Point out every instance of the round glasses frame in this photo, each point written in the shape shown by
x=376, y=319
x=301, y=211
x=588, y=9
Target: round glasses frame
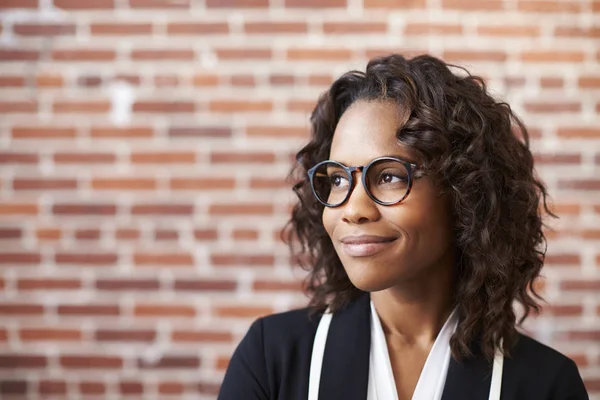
x=411, y=168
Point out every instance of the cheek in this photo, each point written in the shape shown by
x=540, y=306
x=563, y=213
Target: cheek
x=328, y=219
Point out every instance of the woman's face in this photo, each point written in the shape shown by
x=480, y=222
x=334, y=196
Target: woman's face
x=385, y=246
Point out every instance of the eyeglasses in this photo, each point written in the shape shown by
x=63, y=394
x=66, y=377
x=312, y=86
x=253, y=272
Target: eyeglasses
x=387, y=180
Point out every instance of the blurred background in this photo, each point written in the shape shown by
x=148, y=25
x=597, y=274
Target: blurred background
x=144, y=146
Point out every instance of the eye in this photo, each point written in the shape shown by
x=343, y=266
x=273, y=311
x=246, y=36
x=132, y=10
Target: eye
x=390, y=178
x=338, y=180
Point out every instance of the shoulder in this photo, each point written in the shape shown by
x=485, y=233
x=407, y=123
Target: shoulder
x=285, y=328
x=534, y=366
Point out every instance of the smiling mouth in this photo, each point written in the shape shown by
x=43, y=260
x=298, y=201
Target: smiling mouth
x=366, y=246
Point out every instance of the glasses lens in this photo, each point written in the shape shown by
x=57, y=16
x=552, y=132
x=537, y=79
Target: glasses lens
x=331, y=183
x=388, y=180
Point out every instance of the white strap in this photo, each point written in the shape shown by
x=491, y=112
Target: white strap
x=316, y=361
x=496, y=384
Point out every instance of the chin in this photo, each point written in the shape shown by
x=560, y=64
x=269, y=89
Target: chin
x=367, y=279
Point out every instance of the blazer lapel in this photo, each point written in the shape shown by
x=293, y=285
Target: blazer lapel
x=345, y=370
x=469, y=380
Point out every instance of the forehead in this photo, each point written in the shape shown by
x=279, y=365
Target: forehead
x=367, y=130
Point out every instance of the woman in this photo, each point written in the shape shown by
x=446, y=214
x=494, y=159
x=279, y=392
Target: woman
x=419, y=222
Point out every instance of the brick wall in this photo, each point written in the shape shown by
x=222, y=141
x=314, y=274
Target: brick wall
x=144, y=146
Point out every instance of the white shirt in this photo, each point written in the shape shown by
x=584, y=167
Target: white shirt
x=430, y=386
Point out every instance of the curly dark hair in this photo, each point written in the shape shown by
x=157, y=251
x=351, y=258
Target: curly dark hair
x=477, y=150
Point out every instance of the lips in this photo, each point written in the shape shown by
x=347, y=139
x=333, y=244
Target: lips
x=366, y=245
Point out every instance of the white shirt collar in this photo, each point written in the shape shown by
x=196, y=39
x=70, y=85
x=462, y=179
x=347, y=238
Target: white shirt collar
x=431, y=382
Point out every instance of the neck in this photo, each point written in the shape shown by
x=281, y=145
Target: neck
x=414, y=312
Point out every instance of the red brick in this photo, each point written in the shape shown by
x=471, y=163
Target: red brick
x=269, y=183
x=201, y=336
x=163, y=54
x=84, y=54
x=43, y=133
x=44, y=29
x=584, y=335
x=46, y=80
x=166, y=234
x=303, y=106
x=92, y=259
x=508, y=30
x=12, y=81
x=90, y=361
x=21, y=309
x=581, y=133
x=4, y=4
x=162, y=209
x=44, y=184
x=242, y=311
x=92, y=388
x=210, y=389
x=84, y=5
x=244, y=158
x=551, y=82
x=354, y=27
x=204, y=79
x=164, y=259
x=48, y=234
x=164, y=310
x=167, y=4
x=581, y=285
x=25, y=106
x=542, y=6
x=127, y=234
x=202, y=183
x=432, y=29
x=48, y=284
x=237, y=106
x=109, y=335
x=200, y=132
x=49, y=388
x=469, y=5
x=187, y=157
x=49, y=334
x=197, y=28
x=85, y=310
x=84, y=158
x=237, y=3
x=277, y=80
x=277, y=131
x=579, y=184
x=563, y=159
x=241, y=209
x=166, y=81
x=127, y=285
x=268, y=27
x=124, y=184
x=535, y=56
x=244, y=260
x=88, y=234
x=244, y=234
x=577, y=31
x=243, y=80
x=287, y=286
x=172, y=388
x=19, y=54
x=315, y=3
x=164, y=107
x=589, y=82
x=552, y=108
x=131, y=388
x=205, y=234
x=84, y=209
x=563, y=310
x=483, y=55
x=243, y=53
x=20, y=258
x=18, y=361
x=318, y=54
x=171, y=362
x=222, y=363
x=120, y=29
x=204, y=285
x=320, y=80
x=10, y=233
x=18, y=209
x=81, y=106
x=129, y=132
x=89, y=81
x=13, y=387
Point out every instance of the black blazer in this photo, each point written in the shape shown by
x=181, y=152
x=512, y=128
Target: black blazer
x=273, y=362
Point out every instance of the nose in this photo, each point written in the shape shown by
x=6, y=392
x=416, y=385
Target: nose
x=359, y=208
